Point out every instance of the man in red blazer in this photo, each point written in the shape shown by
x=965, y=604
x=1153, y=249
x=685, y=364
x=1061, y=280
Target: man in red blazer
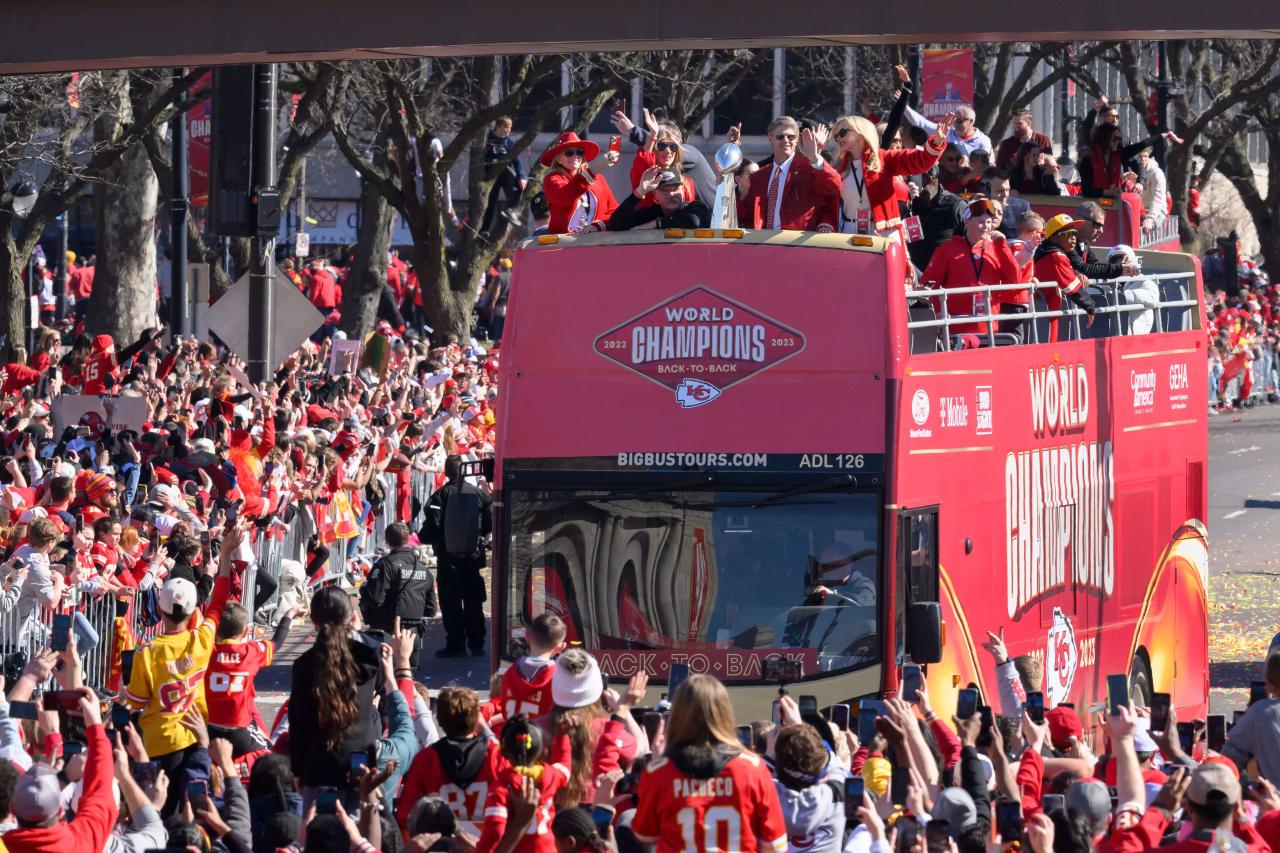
x=797, y=190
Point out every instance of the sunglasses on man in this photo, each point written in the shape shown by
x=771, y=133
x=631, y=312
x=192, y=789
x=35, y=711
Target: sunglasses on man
x=785, y=137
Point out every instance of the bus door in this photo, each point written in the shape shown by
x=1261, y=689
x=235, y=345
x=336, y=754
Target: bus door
x=919, y=613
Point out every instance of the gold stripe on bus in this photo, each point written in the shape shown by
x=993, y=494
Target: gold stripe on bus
x=1190, y=536
x=1159, y=425
x=968, y=645
x=934, y=450
x=1157, y=352
x=974, y=372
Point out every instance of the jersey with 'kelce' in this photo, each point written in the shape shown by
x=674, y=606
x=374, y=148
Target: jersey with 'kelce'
x=228, y=685
x=720, y=798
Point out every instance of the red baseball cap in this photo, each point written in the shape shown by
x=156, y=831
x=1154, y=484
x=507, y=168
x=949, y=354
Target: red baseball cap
x=1064, y=724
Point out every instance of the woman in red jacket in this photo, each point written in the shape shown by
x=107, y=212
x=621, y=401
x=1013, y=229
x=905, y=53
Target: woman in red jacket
x=1102, y=171
x=868, y=202
x=577, y=197
x=661, y=149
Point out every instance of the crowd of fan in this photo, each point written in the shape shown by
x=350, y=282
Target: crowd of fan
x=158, y=522
x=1244, y=330
x=556, y=760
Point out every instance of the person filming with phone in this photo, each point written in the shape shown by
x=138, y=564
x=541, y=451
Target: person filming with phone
x=37, y=797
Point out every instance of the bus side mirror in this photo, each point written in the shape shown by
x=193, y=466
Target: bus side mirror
x=924, y=632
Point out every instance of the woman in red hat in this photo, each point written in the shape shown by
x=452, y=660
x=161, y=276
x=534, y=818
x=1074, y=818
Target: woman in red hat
x=577, y=197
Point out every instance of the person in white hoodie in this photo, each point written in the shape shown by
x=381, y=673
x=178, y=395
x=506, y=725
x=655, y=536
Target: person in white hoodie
x=1155, y=194
x=1143, y=291
x=810, y=785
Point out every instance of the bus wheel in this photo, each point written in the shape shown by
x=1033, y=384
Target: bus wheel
x=1139, y=682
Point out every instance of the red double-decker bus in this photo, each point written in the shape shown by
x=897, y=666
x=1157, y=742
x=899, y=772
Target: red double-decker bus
x=699, y=430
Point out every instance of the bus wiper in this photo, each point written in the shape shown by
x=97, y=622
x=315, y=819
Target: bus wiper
x=820, y=486
x=697, y=478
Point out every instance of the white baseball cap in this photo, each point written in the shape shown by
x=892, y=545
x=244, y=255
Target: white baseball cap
x=178, y=597
x=167, y=493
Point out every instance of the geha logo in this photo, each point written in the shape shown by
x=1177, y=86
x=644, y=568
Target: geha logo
x=698, y=344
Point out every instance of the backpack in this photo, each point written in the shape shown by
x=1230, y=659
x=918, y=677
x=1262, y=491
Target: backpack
x=462, y=523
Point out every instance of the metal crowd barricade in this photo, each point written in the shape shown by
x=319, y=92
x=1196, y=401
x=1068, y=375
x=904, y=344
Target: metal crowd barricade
x=992, y=321
x=23, y=638
x=271, y=550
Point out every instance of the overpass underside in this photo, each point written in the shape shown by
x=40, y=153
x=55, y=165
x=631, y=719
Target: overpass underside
x=80, y=35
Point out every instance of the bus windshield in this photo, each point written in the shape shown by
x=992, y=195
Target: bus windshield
x=729, y=579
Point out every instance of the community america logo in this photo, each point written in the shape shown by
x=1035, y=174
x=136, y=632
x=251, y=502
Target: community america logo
x=698, y=344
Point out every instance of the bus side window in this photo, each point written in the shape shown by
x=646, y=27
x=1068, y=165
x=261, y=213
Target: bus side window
x=917, y=570
x=922, y=563
x=917, y=583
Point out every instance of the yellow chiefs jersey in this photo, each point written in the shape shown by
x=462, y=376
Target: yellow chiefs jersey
x=168, y=678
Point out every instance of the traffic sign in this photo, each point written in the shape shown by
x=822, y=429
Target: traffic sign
x=296, y=319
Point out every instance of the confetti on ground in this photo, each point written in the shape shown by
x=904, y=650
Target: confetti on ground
x=1242, y=615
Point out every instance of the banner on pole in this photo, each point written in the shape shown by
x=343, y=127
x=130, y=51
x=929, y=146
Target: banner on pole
x=947, y=81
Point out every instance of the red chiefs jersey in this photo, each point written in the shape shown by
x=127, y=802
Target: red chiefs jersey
x=228, y=682
x=100, y=373
x=426, y=778
x=737, y=809
x=530, y=696
x=104, y=558
x=537, y=838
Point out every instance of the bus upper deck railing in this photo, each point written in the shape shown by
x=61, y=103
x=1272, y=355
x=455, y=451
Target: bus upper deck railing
x=1111, y=292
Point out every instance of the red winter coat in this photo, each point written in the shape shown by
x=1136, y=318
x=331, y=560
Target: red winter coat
x=95, y=816
x=880, y=187
x=810, y=197
x=957, y=264
x=563, y=190
x=80, y=282
x=321, y=289
x=1052, y=264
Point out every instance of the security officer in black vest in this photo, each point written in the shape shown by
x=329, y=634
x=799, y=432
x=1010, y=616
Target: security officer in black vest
x=457, y=522
x=400, y=585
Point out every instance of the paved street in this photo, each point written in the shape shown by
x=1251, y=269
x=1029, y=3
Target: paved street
x=273, y=682
x=1244, y=560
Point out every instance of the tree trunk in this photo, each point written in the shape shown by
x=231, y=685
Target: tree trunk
x=124, y=206
x=1236, y=168
x=368, y=275
x=13, y=302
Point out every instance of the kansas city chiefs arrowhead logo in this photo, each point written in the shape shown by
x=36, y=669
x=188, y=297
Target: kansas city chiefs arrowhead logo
x=1062, y=657
x=695, y=392
x=698, y=344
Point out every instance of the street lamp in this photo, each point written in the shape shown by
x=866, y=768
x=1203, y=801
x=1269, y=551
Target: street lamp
x=21, y=198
